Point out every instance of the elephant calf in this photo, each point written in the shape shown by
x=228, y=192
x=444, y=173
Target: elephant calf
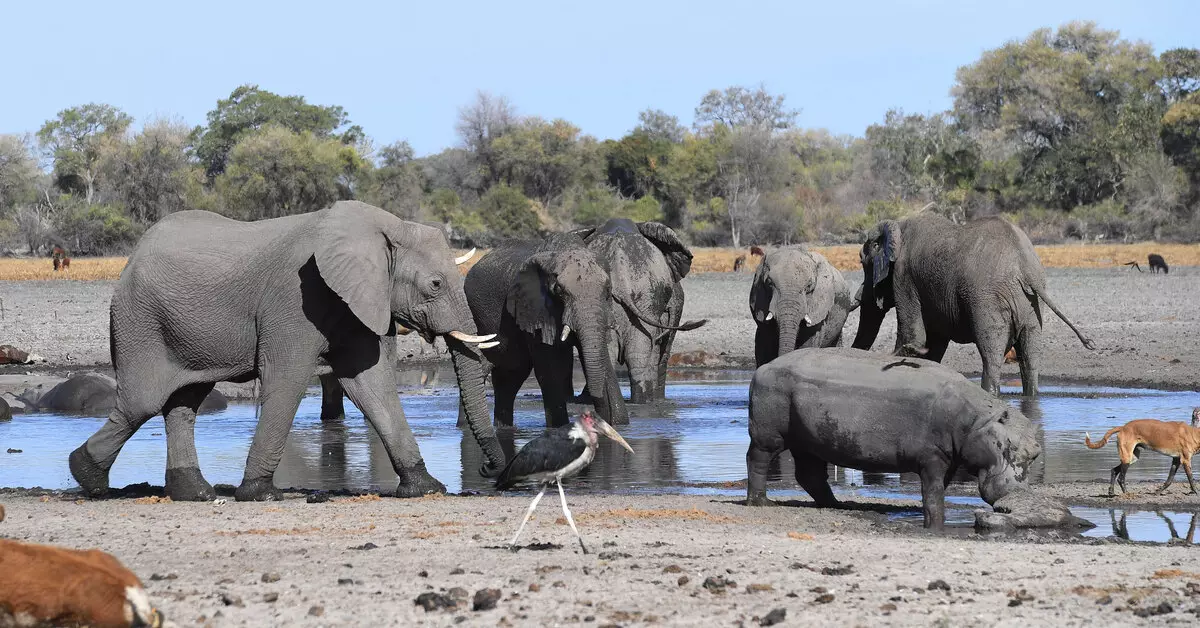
x=799, y=300
x=883, y=414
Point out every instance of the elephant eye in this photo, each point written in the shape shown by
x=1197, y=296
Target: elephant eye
x=435, y=285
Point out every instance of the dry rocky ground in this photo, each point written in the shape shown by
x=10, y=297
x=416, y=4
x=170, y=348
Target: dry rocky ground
x=660, y=560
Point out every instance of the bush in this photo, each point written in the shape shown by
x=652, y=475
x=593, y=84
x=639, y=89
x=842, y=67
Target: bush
x=1041, y=225
x=97, y=230
x=507, y=213
x=877, y=210
x=1104, y=220
x=645, y=209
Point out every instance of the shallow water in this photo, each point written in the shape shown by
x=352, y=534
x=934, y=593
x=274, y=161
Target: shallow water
x=695, y=442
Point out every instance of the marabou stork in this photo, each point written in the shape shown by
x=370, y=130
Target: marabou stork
x=558, y=453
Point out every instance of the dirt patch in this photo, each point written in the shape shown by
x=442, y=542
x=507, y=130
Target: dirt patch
x=694, y=514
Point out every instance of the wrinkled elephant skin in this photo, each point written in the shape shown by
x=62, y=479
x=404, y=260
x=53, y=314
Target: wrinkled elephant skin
x=979, y=283
x=95, y=394
x=645, y=261
x=883, y=414
x=543, y=299
x=799, y=301
x=206, y=299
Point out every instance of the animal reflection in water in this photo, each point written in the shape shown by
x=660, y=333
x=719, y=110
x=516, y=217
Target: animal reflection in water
x=1120, y=525
x=558, y=453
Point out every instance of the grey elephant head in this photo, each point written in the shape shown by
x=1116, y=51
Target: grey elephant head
x=562, y=293
x=1002, y=454
x=792, y=288
x=394, y=274
x=878, y=257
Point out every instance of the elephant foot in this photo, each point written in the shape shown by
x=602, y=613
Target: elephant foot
x=92, y=477
x=188, y=485
x=257, y=490
x=415, y=481
x=760, y=500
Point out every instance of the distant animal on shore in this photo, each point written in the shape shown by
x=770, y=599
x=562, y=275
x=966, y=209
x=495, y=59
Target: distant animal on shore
x=66, y=263
x=739, y=263
x=56, y=264
x=1171, y=438
x=48, y=585
x=1157, y=262
x=1011, y=356
x=754, y=250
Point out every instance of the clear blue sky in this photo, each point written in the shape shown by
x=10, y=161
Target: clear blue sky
x=402, y=69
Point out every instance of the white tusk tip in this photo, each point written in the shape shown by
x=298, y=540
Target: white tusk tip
x=489, y=344
x=770, y=315
x=463, y=259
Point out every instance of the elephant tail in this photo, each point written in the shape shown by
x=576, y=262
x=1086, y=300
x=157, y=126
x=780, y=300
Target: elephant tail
x=1041, y=294
x=1087, y=439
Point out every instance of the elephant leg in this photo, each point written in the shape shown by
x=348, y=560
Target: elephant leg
x=332, y=409
x=937, y=348
x=505, y=384
x=643, y=367
x=1029, y=353
x=812, y=474
x=91, y=461
x=374, y=392
x=282, y=389
x=992, y=354
x=766, y=342
x=184, y=480
x=548, y=364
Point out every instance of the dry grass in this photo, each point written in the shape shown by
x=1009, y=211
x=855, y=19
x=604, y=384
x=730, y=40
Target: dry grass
x=706, y=260
x=42, y=268
x=845, y=257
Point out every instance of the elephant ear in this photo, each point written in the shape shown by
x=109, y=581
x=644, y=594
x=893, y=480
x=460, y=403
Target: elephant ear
x=679, y=258
x=760, y=293
x=887, y=234
x=821, y=292
x=353, y=257
x=531, y=300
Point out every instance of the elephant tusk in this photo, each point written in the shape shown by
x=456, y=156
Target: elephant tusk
x=489, y=344
x=462, y=260
x=770, y=315
x=458, y=335
x=566, y=332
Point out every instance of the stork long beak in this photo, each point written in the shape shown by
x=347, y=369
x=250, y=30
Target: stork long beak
x=608, y=431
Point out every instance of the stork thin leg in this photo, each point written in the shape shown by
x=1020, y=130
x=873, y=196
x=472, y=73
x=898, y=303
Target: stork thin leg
x=570, y=520
x=528, y=514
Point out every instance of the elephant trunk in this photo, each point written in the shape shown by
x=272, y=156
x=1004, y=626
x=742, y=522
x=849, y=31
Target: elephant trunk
x=601, y=379
x=469, y=371
x=870, y=319
x=789, y=317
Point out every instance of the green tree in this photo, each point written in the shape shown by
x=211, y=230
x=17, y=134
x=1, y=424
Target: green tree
x=1181, y=137
x=545, y=159
x=507, y=213
x=1076, y=106
x=18, y=172
x=397, y=184
x=480, y=124
x=278, y=172
x=150, y=174
x=1181, y=73
x=740, y=106
x=77, y=138
x=920, y=157
x=249, y=109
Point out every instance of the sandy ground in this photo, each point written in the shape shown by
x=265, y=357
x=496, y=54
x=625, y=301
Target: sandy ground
x=1146, y=327
x=204, y=564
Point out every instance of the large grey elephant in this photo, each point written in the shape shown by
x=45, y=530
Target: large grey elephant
x=543, y=298
x=799, y=300
x=646, y=262
x=883, y=414
x=205, y=299
x=977, y=283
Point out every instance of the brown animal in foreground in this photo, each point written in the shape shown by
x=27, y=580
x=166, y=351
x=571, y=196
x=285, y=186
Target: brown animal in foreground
x=47, y=585
x=1171, y=438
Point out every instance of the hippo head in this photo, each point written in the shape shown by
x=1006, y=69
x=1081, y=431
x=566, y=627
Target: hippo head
x=1000, y=453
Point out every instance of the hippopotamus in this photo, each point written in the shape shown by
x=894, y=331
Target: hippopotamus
x=95, y=394
x=883, y=414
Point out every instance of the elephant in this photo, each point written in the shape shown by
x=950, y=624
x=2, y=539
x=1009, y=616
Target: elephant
x=799, y=300
x=96, y=393
x=543, y=299
x=885, y=414
x=978, y=283
x=646, y=262
x=205, y=299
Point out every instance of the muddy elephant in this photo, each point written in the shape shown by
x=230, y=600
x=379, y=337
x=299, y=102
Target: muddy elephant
x=883, y=414
x=543, y=298
x=799, y=300
x=646, y=262
x=206, y=299
x=978, y=283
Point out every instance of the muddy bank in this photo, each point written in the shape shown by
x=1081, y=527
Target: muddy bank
x=1145, y=326
x=668, y=560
